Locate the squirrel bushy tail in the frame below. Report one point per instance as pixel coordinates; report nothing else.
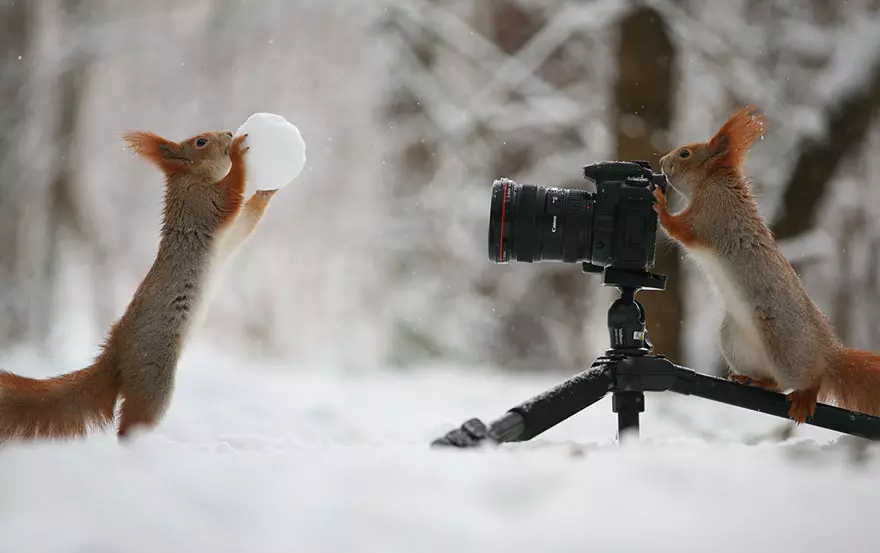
(853, 382)
(61, 407)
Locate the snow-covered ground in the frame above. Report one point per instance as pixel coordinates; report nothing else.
(265, 459)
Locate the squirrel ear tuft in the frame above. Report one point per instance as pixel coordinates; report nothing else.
(167, 155)
(733, 140)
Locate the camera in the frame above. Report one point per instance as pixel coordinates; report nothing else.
(615, 227)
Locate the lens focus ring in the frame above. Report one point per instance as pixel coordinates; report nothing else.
(526, 227)
(577, 219)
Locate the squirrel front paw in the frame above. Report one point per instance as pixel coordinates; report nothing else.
(260, 199)
(660, 206)
(238, 145)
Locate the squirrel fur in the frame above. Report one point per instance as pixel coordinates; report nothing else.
(204, 220)
(772, 334)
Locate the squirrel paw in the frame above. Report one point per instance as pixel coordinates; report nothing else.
(766, 383)
(802, 404)
(238, 146)
(660, 206)
(260, 198)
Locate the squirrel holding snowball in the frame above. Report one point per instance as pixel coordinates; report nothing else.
(772, 334)
(204, 220)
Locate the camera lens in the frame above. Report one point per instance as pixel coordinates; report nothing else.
(614, 227)
(536, 223)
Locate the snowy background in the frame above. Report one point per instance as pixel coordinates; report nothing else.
(363, 318)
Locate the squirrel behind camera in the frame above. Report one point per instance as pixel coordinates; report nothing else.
(203, 222)
(772, 334)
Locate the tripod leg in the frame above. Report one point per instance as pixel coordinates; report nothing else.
(534, 416)
(628, 406)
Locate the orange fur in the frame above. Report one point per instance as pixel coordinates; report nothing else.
(234, 181)
(258, 203)
(150, 147)
(677, 226)
(854, 381)
(60, 407)
(766, 383)
(802, 403)
(741, 130)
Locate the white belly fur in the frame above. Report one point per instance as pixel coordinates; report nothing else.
(225, 244)
(751, 354)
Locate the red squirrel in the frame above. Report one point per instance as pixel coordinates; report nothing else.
(772, 334)
(203, 222)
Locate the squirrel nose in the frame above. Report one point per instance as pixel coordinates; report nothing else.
(227, 133)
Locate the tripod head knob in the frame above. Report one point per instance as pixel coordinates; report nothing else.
(626, 324)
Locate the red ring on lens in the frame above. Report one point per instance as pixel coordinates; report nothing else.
(501, 234)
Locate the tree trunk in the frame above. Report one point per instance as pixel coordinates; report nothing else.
(15, 36)
(643, 96)
(65, 214)
(560, 292)
(37, 208)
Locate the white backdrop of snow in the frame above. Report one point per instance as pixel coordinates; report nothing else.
(252, 457)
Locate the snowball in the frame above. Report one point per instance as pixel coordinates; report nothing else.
(277, 151)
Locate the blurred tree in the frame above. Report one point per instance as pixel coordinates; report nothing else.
(854, 228)
(490, 89)
(558, 293)
(66, 215)
(643, 98)
(502, 107)
(848, 121)
(16, 29)
(414, 167)
(35, 215)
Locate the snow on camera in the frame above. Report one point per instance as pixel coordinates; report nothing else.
(277, 151)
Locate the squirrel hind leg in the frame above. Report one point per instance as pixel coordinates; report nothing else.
(765, 383)
(134, 417)
(130, 424)
(802, 403)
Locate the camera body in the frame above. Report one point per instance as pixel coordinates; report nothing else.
(614, 227)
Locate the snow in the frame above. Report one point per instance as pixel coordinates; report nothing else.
(277, 151)
(259, 456)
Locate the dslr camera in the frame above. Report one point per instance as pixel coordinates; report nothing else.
(615, 227)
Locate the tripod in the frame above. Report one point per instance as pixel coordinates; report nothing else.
(627, 371)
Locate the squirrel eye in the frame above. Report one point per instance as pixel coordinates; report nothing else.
(201, 142)
(684, 154)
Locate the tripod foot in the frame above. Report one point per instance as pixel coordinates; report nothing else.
(802, 404)
(472, 433)
(765, 383)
